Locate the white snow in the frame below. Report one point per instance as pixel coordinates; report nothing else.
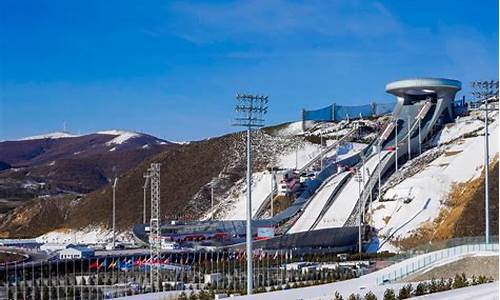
(121, 136)
(294, 128)
(461, 127)
(341, 209)
(487, 291)
(234, 204)
(462, 161)
(317, 203)
(364, 284)
(298, 157)
(88, 235)
(52, 135)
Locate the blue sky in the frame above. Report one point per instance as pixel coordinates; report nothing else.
(172, 68)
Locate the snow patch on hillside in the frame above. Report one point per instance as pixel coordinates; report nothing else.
(235, 204)
(121, 136)
(88, 235)
(294, 128)
(425, 192)
(300, 156)
(52, 135)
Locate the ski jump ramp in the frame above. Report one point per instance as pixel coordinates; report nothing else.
(422, 104)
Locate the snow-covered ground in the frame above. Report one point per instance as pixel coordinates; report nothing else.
(52, 135)
(487, 291)
(234, 206)
(317, 203)
(341, 209)
(361, 285)
(298, 157)
(89, 235)
(121, 136)
(291, 129)
(461, 161)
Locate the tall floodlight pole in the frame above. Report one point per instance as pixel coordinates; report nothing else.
(145, 189)
(154, 226)
(250, 110)
(114, 211)
(484, 91)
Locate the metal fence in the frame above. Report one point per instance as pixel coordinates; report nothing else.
(336, 112)
(423, 261)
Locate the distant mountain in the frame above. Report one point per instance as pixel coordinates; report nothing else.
(64, 163)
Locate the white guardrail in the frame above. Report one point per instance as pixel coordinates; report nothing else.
(421, 262)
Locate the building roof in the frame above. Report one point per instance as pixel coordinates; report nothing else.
(422, 85)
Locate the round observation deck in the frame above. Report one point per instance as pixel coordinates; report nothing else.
(422, 86)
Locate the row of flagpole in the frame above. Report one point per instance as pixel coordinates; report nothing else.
(270, 268)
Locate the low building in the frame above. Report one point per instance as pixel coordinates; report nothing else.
(76, 253)
(53, 247)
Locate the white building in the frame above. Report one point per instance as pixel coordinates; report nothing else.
(76, 253)
(53, 247)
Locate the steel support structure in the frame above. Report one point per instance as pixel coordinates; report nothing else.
(154, 226)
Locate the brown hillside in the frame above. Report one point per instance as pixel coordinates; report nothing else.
(463, 215)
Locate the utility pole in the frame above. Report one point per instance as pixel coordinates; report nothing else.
(396, 142)
(250, 110)
(145, 187)
(359, 178)
(273, 184)
(419, 137)
(321, 142)
(409, 138)
(484, 91)
(114, 211)
(296, 156)
(212, 198)
(379, 167)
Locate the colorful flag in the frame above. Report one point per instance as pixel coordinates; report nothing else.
(94, 265)
(104, 264)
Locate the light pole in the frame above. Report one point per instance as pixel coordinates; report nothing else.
(321, 149)
(485, 90)
(114, 211)
(396, 142)
(145, 187)
(409, 139)
(212, 198)
(250, 110)
(359, 178)
(419, 137)
(273, 184)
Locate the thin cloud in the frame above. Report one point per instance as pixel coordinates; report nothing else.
(272, 18)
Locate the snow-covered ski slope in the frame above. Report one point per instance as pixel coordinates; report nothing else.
(342, 206)
(425, 192)
(318, 203)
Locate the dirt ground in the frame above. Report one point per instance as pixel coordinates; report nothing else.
(479, 265)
